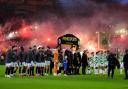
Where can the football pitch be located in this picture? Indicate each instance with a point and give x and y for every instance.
(62, 82)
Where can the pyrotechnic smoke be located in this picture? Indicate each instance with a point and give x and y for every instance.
(83, 18)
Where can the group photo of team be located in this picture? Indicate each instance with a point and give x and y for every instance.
(44, 61)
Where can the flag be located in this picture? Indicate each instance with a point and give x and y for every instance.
(104, 38)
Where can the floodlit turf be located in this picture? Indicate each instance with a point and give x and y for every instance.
(69, 82)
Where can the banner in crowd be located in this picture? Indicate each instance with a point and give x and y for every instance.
(104, 39)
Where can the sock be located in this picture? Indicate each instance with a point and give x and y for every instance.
(42, 70)
(6, 71)
(24, 70)
(19, 70)
(37, 70)
(12, 70)
(96, 71)
(100, 71)
(47, 70)
(121, 71)
(28, 71)
(9, 71)
(105, 70)
(89, 72)
(32, 71)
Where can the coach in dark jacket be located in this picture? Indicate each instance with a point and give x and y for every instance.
(75, 62)
(125, 61)
(112, 63)
(84, 61)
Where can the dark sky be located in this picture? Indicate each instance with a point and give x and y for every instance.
(112, 1)
(82, 18)
(87, 7)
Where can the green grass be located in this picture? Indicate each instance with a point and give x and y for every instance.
(69, 82)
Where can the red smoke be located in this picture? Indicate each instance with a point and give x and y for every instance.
(26, 32)
(84, 24)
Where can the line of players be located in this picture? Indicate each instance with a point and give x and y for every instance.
(41, 61)
(98, 62)
(26, 61)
